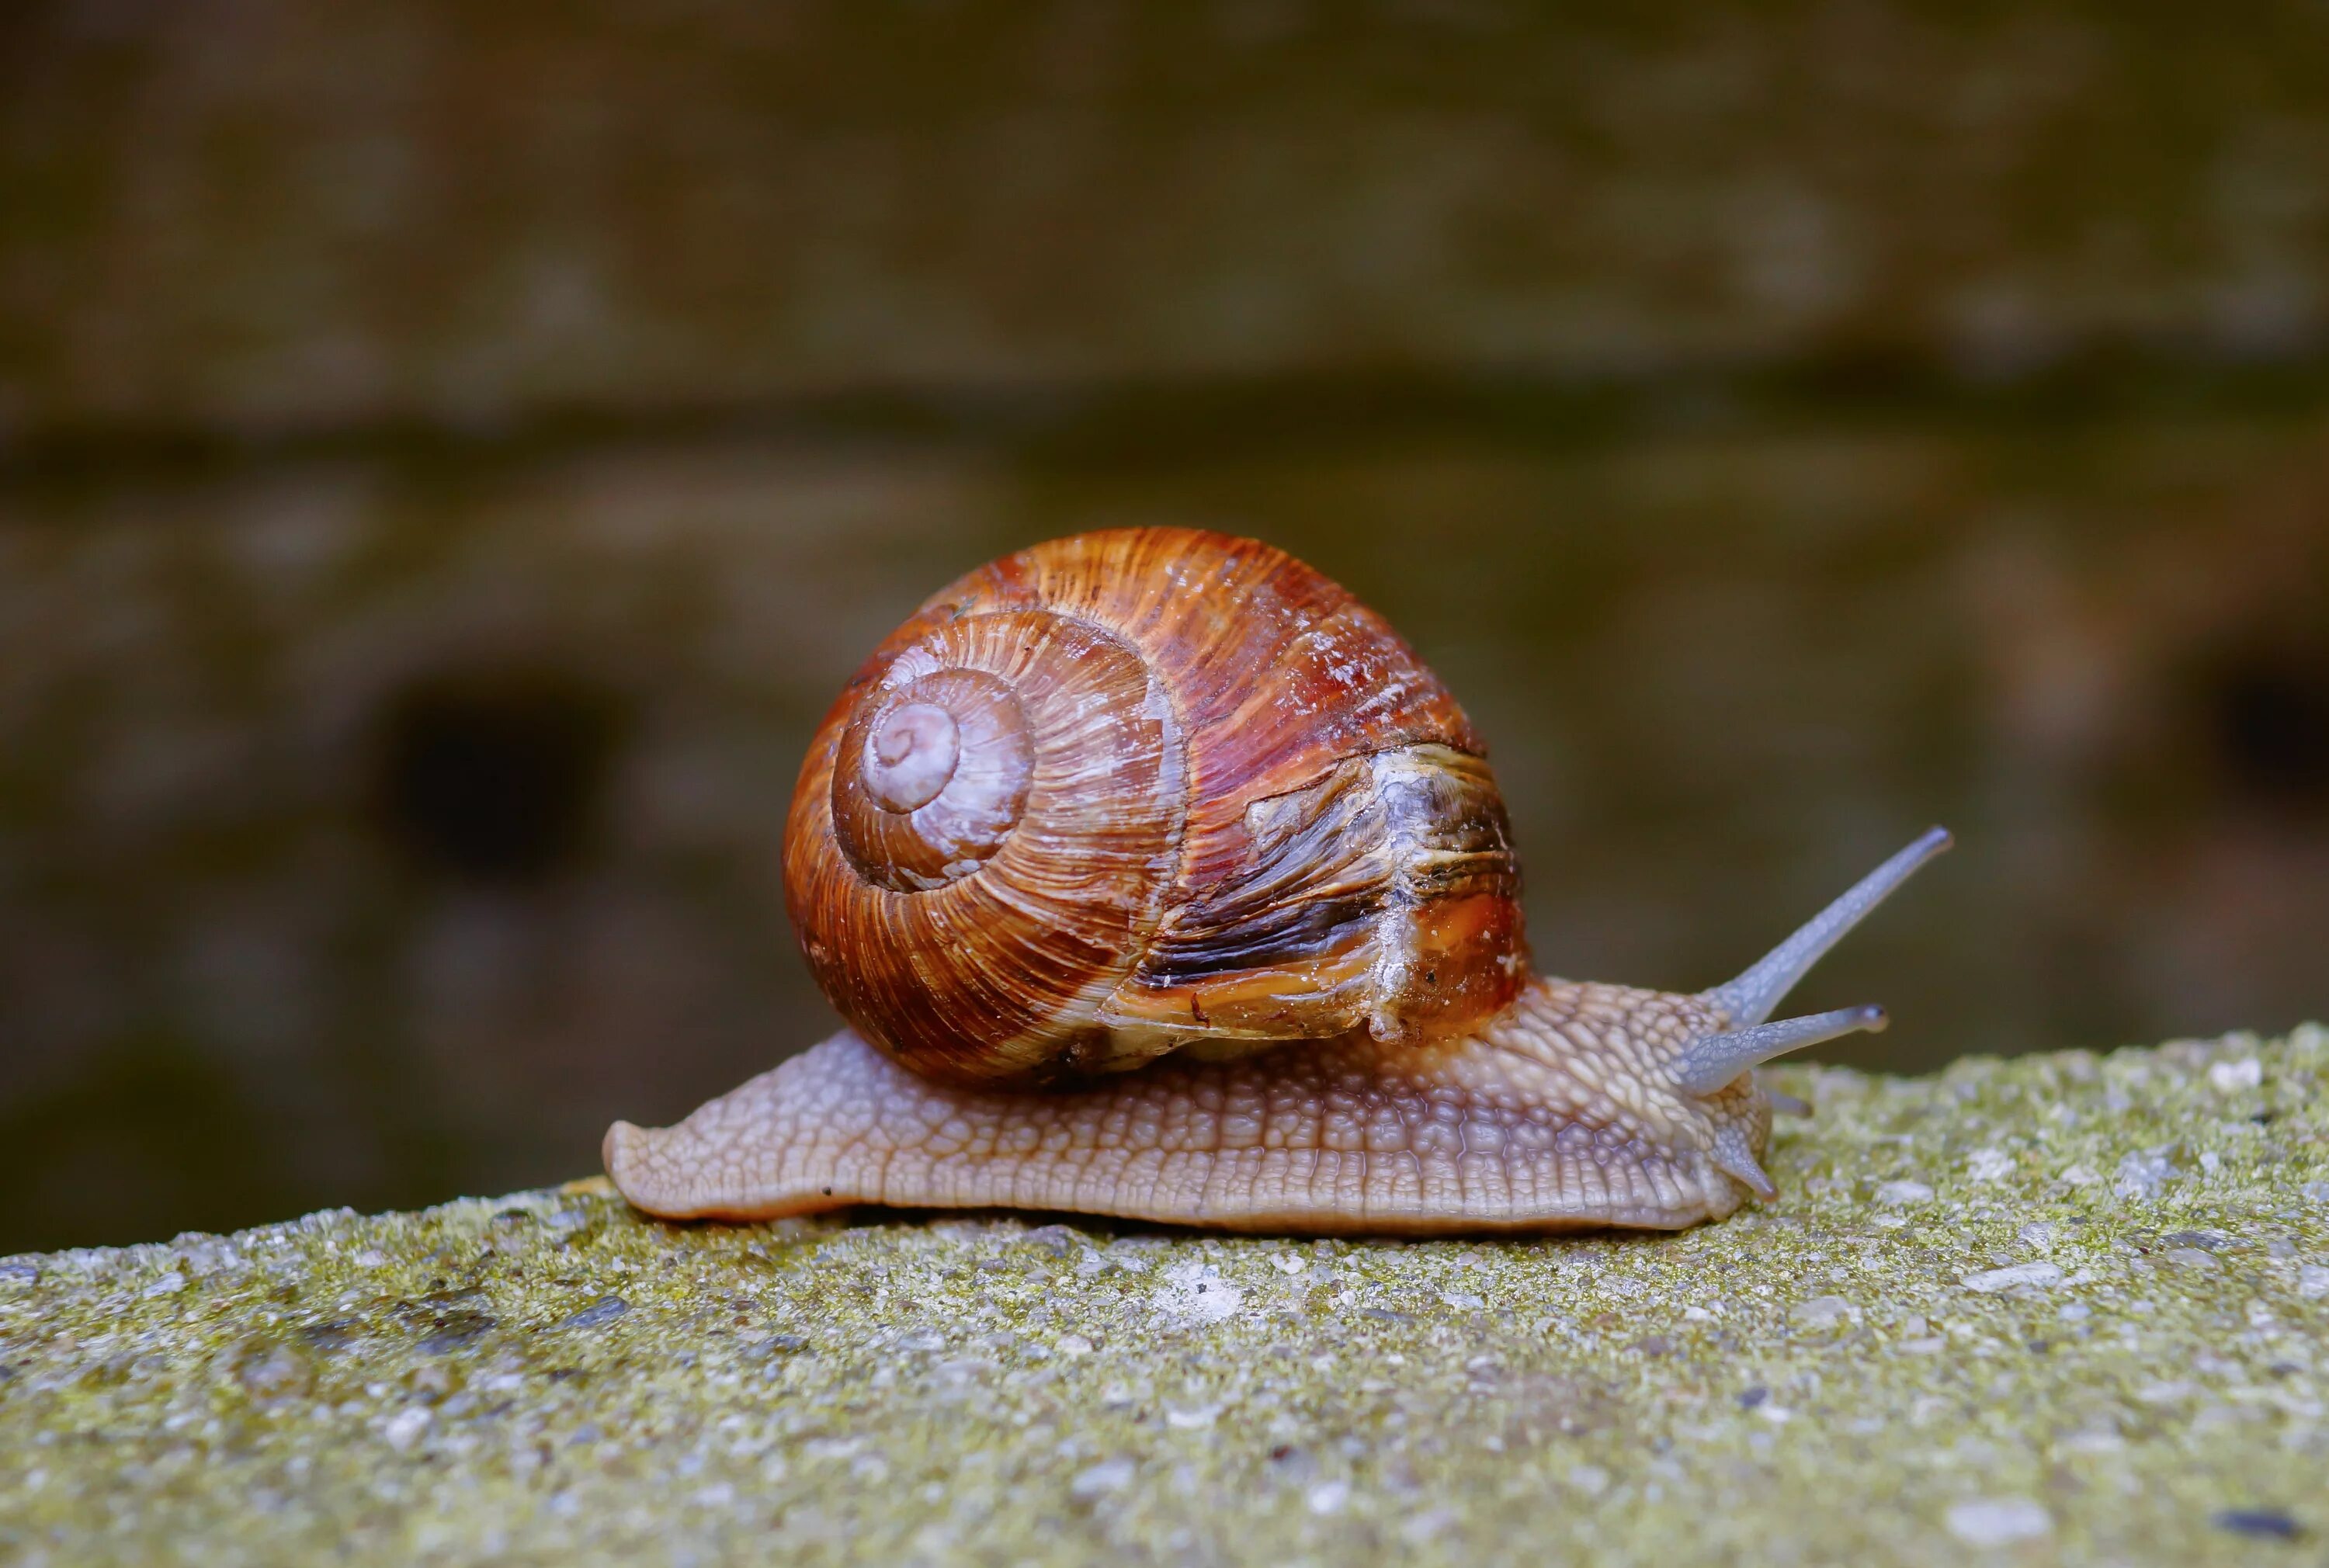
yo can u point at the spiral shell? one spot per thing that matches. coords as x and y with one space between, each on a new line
1136 790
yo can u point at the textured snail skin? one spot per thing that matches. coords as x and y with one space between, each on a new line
1558 1114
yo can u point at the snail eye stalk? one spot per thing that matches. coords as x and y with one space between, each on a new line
1749 1000
1710 1061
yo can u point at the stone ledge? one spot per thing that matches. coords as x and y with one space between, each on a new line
2074 1307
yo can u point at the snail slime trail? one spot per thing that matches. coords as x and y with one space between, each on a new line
1156 876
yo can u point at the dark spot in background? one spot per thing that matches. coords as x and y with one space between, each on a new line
495 775
2268 708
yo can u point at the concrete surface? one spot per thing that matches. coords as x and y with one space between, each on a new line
2063 1307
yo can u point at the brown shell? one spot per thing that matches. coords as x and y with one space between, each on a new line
1180 787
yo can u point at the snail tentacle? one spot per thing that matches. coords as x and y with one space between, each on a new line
1735 1156
1710 1061
1749 998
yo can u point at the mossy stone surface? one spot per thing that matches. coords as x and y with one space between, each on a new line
2065 1308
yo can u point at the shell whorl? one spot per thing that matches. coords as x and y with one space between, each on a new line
1128 790
976 924
932 777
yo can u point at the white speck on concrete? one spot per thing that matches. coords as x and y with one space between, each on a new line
1900 1194
1195 1293
2141 1176
404 1428
2231 1078
1329 1497
1989 1165
1425 1526
1999 1521
1992 1280
1107 1476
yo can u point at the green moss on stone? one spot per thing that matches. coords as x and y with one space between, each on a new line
2069 1307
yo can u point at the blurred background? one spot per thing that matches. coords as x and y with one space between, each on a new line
450 455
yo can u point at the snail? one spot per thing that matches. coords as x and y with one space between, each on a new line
1156 877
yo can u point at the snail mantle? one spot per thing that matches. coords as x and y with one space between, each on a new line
2065 1308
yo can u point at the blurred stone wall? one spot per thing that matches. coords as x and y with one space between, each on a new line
450 455
247 216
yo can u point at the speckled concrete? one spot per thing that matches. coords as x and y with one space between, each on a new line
2064 1308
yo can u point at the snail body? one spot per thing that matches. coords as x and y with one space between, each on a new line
1156 876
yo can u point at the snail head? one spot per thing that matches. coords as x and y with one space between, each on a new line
1711 1062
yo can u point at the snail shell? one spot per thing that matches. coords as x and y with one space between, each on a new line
1128 791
